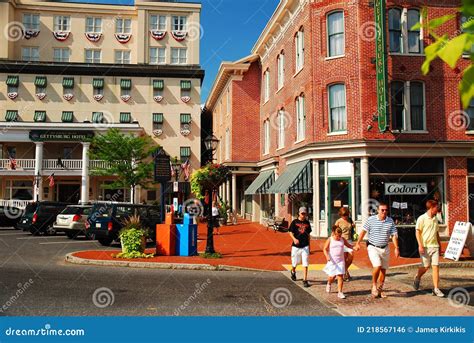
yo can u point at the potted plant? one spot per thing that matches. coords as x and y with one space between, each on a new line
223 212
133 239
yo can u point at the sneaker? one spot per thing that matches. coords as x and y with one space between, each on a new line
416 283
293 275
341 295
305 283
375 292
438 293
328 288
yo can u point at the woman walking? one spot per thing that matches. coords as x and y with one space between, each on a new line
347 226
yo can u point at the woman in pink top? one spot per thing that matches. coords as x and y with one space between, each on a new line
336 266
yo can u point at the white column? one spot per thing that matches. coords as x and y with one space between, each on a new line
364 192
234 192
227 191
315 176
38 191
85 173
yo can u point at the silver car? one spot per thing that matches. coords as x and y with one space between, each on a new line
72 220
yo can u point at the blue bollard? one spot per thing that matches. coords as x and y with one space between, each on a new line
186 240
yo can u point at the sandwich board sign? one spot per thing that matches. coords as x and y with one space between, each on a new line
457 241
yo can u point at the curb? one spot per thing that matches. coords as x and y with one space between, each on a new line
70 258
462 264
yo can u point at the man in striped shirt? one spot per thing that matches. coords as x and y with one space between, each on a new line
379 229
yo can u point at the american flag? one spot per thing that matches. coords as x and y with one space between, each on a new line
51 180
172 170
12 162
186 167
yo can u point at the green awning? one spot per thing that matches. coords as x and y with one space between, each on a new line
97 117
262 183
40 116
158 118
13 80
67 116
11 115
68 82
125 117
126 84
40 81
158 84
185 151
98 83
185 118
296 179
186 85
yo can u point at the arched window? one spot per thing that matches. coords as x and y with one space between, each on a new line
336 34
300 118
281 69
281 128
299 50
266 85
337 108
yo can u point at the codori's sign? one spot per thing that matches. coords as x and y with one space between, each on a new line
56 136
406 188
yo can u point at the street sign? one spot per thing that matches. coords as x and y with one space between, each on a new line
162 166
457 241
381 64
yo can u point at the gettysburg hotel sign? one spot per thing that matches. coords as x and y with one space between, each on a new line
406 188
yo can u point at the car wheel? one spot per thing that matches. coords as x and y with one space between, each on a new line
71 234
105 241
50 231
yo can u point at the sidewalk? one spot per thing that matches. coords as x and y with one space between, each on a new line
249 246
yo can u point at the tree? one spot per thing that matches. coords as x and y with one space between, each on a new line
127 156
451 49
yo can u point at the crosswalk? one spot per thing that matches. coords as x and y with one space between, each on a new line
315 267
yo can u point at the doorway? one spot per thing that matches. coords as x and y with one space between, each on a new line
339 196
69 193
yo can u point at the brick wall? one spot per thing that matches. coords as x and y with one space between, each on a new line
456 190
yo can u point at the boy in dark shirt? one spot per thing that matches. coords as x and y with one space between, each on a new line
300 230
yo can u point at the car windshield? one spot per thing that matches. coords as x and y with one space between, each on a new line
75 210
101 210
49 209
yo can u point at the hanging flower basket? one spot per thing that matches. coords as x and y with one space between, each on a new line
185 99
157 34
93 37
123 38
125 98
179 36
68 96
158 98
12 95
41 96
27 34
61 35
208 177
98 97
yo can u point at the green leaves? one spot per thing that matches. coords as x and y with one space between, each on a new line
466 86
431 53
452 51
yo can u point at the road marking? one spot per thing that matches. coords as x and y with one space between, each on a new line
41 237
66 242
12 234
315 267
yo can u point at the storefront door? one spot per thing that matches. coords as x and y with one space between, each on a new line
339 196
69 193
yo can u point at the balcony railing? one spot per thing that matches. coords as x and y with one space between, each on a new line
14 203
50 164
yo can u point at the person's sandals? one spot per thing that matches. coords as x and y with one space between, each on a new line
293 275
305 283
438 293
375 292
416 283
381 292
328 288
347 276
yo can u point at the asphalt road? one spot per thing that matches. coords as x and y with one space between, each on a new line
35 280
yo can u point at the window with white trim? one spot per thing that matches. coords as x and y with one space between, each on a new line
266 85
94 24
30 53
123 25
158 22
92 56
300 118
179 56
157 55
408 105
31 21
337 108
281 128
299 50
61 54
281 69
62 23
179 23
266 137
402 37
122 57
335 37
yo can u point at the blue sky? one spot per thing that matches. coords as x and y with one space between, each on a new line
230 29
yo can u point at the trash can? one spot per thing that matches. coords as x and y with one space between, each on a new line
166 237
407 242
186 238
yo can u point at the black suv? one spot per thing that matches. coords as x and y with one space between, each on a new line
40 216
106 220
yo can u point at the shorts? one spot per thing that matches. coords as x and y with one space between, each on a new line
348 250
300 255
379 257
430 257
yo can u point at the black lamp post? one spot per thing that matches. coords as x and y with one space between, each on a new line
37 185
211 142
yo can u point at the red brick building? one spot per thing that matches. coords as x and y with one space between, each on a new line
319 133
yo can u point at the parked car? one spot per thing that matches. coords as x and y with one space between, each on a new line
72 220
39 217
106 220
9 216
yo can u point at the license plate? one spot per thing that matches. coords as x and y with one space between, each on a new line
99 225
24 221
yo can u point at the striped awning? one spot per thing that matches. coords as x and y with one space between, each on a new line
262 183
296 179
185 118
126 84
158 118
97 117
125 117
68 82
98 83
67 116
158 84
185 151
13 80
40 116
11 115
186 85
40 81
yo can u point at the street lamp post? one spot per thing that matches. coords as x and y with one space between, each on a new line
176 165
211 143
37 185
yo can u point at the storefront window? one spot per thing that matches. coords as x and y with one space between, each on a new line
20 190
268 205
322 190
303 200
